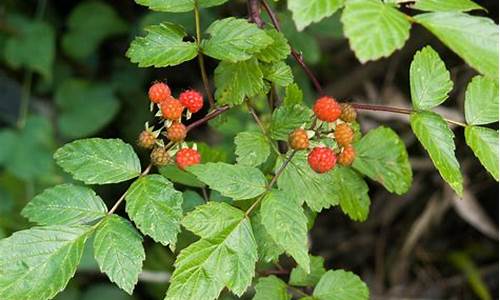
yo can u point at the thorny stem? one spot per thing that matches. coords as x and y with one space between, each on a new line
201 61
117 204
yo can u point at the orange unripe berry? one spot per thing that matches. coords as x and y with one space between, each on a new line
298 139
159 157
176 132
344 134
347 156
159 92
348 113
171 109
187 157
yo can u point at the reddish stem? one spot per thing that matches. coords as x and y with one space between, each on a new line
208 117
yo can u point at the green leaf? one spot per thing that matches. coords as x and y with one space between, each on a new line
99 161
381 155
190 200
173 173
37 263
484 142
374 29
89 24
85 107
119 252
271 288
340 285
252 148
307 12
439 5
161 47
224 256
352 192
279 73
433 133
287 118
234 181
293 95
481 101
475 39
301 183
178 5
236 81
156 208
286 223
32 47
234 40
65 204
300 278
430 81
278 50
268 249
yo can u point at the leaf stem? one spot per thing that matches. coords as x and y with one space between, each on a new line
201 61
261 126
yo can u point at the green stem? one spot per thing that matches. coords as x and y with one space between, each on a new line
25 99
201 61
261 126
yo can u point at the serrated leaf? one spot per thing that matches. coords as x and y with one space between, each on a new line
278 50
32 46
252 148
301 183
178 5
433 133
381 155
374 29
352 192
439 5
293 95
235 81
279 73
287 118
173 173
484 142
430 81
300 278
481 101
271 288
340 285
307 12
89 24
118 251
99 161
473 38
268 249
161 47
234 40
286 223
37 263
234 181
72 95
156 208
65 204
224 256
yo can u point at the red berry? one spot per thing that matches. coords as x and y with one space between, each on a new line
322 159
146 139
191 99
348 113
187 157
176 132
171 109
159 92
347 156
327 109
344 134
298 139
160 157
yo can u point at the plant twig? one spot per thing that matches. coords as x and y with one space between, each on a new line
201 61
254 12
117 204
216 112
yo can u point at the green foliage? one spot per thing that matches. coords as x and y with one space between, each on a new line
374 29
161 47
99 161
381 155
252 148
299 277
278 50
271 288
484 142
352 193
481 101
235 181
473 38
429 79
279 73
433 133
269 250
287 118
305 13
177 175
340 285
65 204
437 5
178 5
156 208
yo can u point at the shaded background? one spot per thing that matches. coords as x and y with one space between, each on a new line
422 245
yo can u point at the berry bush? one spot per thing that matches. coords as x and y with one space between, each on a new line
235 223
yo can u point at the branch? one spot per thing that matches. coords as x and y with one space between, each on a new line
217 111
254 12
117 204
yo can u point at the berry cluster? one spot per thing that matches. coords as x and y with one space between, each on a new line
337 119
171 110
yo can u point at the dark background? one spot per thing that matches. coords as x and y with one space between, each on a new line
426 244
